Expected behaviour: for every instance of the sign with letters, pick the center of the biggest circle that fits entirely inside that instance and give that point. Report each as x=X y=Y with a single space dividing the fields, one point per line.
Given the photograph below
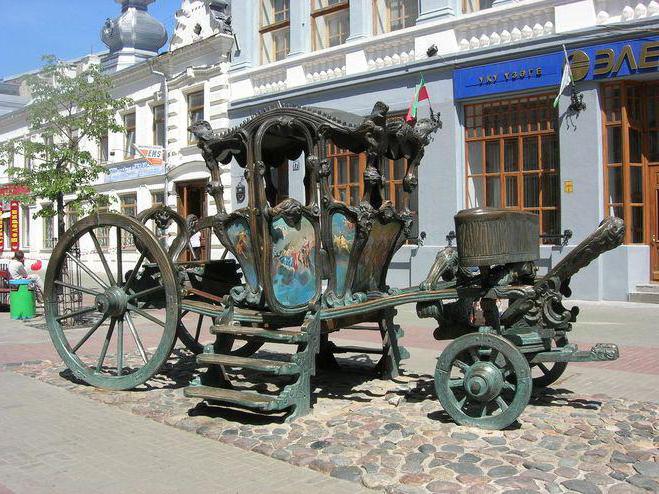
x=14 y=226
x=130 y=170
x=591 y=63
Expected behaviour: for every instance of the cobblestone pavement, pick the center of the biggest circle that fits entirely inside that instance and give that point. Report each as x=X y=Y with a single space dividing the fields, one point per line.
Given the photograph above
x=394 y=435
x=55 y=442
x=595 y=431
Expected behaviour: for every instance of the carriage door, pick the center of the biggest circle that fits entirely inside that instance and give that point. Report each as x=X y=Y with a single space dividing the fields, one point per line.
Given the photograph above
x=654 y=221
x=192 y=200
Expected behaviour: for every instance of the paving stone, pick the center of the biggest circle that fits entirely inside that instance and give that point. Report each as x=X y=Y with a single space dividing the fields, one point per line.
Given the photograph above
x=644 y=482
x=647 y=468
x=347 y=473
x=545 y=467
x=580 y=485
x=465 y=468
x=441 y=486
x=502 y=471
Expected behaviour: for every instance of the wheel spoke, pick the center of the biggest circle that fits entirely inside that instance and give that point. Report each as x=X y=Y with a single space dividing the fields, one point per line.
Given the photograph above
x=494 y=353
x=136 y=337
x=91 y=331
x=198 y=332
x=106 y=344
x=146 y=315
x=104 y=261
x=462 y=402
x=146 y=292
x=509 y=386
x=120 y=267
x=463 y=367
x=543 y=368
x=82 y=289
x=483 y=410
x=503 y=406
x=456 y=383
x=89 y=272
x=133 y=273
x=120 y=346
x=473 y=353
x=77 y=313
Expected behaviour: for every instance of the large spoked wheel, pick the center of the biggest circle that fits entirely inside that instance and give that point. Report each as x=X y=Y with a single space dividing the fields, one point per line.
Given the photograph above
x=483 y=380
x=200 y=336
x=547 y=373
x=124 y=328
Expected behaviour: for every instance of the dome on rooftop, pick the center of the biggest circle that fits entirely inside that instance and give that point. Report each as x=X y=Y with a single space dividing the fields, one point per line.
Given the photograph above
x=134 y=29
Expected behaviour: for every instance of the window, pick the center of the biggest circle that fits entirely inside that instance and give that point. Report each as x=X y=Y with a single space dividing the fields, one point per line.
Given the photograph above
x=471 y=6
x=104 y=149
x=631 y=142
x=128 y=205
x=49 y=232
x=25 y=231
x=103 y=233
x=392 y=15
x=331 y=22
x=158 y=198
x=275 y=30
x=347 y=182
x=129 y=137
x=72 y=217
x=195 y=111
x=28 y=159
x=159 y=130
x=512 y=157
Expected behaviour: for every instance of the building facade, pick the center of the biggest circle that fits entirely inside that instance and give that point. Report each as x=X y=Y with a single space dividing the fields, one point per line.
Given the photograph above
x=492 y=70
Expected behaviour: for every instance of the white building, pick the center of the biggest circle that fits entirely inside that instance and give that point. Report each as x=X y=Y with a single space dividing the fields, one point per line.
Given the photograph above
x=169 y=91
x=486 y=64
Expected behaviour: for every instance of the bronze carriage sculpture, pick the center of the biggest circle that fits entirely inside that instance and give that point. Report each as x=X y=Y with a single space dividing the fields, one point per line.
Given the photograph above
x=314 y=268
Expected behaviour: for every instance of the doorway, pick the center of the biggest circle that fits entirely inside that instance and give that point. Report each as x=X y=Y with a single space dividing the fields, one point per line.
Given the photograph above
x=654 y=222
x=192 y=200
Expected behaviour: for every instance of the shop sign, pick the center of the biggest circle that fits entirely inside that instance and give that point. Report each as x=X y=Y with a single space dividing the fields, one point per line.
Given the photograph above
x=2 y=235
x=153 y=154
x=130 y=170
x=9 y=191
x=14 y=226
x=597 y=62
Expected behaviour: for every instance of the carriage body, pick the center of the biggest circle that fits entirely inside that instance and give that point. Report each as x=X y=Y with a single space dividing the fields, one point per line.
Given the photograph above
x=321 y=265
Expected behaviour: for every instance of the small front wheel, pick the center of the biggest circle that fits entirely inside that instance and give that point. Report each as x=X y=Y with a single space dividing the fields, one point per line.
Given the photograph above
x=549 y=372
x=483 y=380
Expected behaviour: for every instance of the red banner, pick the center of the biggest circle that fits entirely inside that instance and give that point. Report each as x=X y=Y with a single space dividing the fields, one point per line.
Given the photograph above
x=14 y=226
x=2 y=234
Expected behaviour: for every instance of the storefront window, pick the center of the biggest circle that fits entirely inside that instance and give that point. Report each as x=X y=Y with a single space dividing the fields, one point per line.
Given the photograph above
x=392 y=15
x=331 y=23
x=631 y=138
x=275 y=30
x=512 y=157
x=25 y=231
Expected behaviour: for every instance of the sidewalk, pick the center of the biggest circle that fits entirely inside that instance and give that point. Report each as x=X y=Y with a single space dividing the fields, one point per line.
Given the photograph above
x=54 y=441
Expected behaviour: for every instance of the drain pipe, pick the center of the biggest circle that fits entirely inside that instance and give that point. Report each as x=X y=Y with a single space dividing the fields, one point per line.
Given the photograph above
x=165 y=144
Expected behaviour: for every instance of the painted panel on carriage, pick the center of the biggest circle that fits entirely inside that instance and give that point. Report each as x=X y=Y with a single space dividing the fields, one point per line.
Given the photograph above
x=241 y=240
x=343 y=238
x=374 y=257
x=293 y=262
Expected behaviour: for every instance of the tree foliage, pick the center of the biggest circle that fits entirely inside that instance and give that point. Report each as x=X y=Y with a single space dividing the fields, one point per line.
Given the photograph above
x=70 y=106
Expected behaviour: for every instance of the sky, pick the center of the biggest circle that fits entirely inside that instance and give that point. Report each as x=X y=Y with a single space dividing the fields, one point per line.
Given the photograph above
x=67 y=29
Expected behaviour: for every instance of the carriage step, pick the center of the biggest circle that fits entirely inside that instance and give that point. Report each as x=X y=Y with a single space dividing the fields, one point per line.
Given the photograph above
x=203 y=308
x=245 y=332
x=272 y=366
x=247 y=399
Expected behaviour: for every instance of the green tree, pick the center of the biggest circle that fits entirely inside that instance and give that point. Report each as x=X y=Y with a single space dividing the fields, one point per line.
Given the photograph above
x=68 y=106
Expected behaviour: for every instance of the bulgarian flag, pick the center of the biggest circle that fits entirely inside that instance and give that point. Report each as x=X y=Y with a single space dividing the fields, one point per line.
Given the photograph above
x=420 y=94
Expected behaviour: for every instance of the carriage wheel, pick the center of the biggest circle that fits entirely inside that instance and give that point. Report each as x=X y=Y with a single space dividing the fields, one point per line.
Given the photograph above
x=125 y=327
x=201 y=325
x=547 y=373
x=483 y=380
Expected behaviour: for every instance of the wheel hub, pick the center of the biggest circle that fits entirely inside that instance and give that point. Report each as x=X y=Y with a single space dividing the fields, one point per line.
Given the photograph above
x=113 y=302
x=483 y=381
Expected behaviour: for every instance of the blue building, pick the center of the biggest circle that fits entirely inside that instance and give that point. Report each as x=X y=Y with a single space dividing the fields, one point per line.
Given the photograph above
x=493 y=71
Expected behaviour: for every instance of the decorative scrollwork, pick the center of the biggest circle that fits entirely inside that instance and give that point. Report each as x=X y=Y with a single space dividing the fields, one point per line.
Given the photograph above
x=289 y=209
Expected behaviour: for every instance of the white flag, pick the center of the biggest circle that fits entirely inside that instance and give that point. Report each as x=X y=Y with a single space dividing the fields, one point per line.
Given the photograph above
x=566 y=80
